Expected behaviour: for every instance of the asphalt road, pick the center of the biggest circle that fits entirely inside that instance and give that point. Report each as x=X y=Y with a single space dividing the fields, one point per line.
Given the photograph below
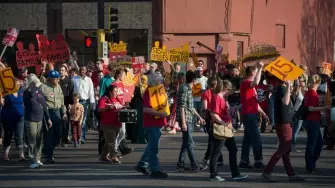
x=79 y=167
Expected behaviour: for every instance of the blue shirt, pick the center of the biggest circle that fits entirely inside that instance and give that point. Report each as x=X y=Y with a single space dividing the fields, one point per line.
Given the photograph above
x=13 y=108
x=105 y=83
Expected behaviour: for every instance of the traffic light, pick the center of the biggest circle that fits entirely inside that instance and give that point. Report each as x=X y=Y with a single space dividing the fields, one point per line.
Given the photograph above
x=91 y=42
x=113 y=18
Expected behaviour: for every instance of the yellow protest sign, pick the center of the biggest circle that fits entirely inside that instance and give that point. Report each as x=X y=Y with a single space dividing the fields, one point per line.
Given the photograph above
x=284 y=69
x=196 y=90
x=117 y=47
x=179 y=54
x=8 y=84
x=159 y=54
x=159 y=99
x=327 y=67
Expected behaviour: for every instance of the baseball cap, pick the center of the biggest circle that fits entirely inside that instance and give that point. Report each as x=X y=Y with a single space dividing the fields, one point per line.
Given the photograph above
x=53 y=74
x=153 y=65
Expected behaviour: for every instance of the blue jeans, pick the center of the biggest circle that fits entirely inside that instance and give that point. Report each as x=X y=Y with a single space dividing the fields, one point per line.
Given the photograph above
x=251 y=137
x=53 y=135
x=85 y=103
x=149 y=157
x=187 y=145
x=296 y=125
x=15 y=127
x=314 y=143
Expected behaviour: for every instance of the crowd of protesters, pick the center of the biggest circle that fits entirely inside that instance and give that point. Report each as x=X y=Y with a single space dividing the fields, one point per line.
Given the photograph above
x=57 y=108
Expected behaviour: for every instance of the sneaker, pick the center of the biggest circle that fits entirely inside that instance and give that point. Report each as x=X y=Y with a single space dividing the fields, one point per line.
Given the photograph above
x=159 y=175
x=40 y=163
x=115 y=160
x=296 y=178
x=205 y=164
x=82 y=142
x=269 y=177
x=312 y=171
x=182 y=168
x=217 y=179
x=245 y=166
x=240 y=177
x=142 y=170
x=34 y=166
x=197 y=168
x=259 y=166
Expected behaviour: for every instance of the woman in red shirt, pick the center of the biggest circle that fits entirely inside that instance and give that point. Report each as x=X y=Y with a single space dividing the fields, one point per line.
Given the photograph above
x=108 y=107
x=312 y=123
x=220 y=115
x=153 y=121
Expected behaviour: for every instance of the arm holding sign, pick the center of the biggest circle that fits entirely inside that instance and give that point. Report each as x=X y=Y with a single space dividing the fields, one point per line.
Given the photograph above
x=257 y=78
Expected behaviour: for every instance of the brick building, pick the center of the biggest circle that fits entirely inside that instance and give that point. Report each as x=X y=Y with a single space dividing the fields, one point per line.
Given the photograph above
x=303 y=30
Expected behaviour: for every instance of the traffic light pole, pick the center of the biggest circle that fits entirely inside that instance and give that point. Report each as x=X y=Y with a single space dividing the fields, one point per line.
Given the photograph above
x=101 y=26
x=101 y=14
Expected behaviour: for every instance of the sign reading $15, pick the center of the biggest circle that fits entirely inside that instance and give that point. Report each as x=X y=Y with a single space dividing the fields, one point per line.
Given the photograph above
x=159 y=99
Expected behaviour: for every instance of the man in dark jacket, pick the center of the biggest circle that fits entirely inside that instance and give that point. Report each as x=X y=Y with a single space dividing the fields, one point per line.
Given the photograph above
x=67 y=87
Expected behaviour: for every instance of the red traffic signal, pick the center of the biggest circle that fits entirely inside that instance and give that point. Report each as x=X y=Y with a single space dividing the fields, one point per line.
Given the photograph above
x=90 y=42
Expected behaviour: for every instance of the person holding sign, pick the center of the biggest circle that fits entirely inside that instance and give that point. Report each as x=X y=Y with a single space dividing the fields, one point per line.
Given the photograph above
x=283 y=120
x=185 y=118
x=152 y=127
x=250 y=110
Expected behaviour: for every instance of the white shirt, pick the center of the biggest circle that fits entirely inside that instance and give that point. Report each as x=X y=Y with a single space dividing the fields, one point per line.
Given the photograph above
x=203 y=82
x=84 y=87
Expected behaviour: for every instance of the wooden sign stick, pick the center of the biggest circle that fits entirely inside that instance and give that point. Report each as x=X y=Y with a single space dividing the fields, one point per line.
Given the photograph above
x=205 y=46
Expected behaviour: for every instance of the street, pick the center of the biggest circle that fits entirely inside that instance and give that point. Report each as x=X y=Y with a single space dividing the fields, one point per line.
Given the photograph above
x=79 y=167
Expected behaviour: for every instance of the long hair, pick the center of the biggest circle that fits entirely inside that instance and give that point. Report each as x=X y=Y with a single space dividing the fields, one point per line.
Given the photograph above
x=222 y=85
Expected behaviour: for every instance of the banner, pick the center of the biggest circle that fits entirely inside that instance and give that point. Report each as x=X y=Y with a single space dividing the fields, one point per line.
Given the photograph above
x=138 y=64
x=159 y=99
x=54 y=51
x=284 y=69
x=26 y=58
x=10 y=37
x=8 y=84
x=117 y=50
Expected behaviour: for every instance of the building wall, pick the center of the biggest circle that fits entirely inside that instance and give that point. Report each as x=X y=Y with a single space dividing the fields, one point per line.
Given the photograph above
x=309 y=26
x=33 y=16
x=23 y=16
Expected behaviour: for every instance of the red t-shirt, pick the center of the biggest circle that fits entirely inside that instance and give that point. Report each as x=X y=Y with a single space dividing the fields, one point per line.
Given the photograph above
x=312 y=99
x=110 y=117
x=121 y=91
x=207 y=96
x=95 y=79
x=219 y=107
x=248 y=98
x=262 y=96
x=149 y=120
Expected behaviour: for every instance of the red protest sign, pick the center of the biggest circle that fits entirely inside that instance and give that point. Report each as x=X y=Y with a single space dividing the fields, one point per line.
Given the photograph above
x=114 y=55
x=26 y=58
x=54 y=51
x=10 y=37
x=138 y=64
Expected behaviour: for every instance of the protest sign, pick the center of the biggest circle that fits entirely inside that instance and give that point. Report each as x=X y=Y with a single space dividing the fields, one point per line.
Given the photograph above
x=138 y=64
x=159 y=99
x=129 y=85
x=117 y=50
x=8 y=84
x=54 y=51
x=179 y=54
x=327 y=68
x=10 y=37
x=196 y=90
x=284 y=69
x=159 y=54
x=26 y=58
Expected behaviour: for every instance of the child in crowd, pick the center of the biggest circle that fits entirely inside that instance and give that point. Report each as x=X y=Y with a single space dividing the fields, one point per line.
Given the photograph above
x=76 y=117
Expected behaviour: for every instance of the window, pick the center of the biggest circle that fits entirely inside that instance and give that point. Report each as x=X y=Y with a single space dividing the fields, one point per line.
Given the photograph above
x=239 y=51
x=280 y=36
